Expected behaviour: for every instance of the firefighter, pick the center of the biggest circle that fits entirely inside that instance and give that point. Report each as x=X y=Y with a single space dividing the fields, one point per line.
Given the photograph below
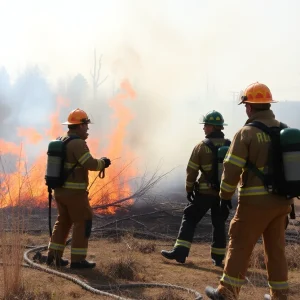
x=204 y=197
x=72 y=199
x=259 y=212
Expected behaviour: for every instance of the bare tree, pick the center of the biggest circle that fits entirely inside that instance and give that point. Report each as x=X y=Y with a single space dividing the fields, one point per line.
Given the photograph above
x=96 y=75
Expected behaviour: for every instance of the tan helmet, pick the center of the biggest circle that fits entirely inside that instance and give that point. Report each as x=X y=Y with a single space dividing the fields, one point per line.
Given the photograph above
x=77 y=116
x=257 y=93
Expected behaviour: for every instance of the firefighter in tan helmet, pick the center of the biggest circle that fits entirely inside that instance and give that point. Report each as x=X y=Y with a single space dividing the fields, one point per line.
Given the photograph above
x=72 y=198
x=260 y=211
x=202 y=194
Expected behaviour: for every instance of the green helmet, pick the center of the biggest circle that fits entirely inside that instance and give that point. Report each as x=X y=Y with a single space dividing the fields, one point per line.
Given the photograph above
x=213 y=118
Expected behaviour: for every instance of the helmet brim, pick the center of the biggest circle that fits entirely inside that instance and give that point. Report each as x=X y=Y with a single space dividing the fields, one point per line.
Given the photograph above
x=77 y=123
x=253 y=102
x=213 y=124
x=69 y=123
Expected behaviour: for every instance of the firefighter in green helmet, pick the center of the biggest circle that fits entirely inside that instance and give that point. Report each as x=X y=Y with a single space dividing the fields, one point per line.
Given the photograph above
x=203 y=194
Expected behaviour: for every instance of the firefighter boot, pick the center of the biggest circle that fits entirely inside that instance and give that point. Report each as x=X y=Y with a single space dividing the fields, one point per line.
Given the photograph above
x=218 y=263
x=84 y=264
x=178 y=253
x=213 y=294
x=267 y=297
x=57 y=261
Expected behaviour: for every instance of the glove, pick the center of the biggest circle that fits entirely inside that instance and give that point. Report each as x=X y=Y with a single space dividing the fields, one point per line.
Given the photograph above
x=190 y=196
x=107 y=162
x=225 y=206
x=226 y=203
x=292 y=213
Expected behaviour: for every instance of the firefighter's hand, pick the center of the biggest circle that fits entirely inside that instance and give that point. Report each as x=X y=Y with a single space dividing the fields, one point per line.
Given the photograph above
x=225 y=206
x=190 y=196
x=226 y=203
x=292 y=213
x=107 y=162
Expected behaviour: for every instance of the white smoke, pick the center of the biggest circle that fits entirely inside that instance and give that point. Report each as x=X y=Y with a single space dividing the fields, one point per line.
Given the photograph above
x=183 y=59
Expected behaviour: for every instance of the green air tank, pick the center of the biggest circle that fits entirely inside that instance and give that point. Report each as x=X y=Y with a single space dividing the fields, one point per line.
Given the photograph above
x=290 y=146
x=54 y=163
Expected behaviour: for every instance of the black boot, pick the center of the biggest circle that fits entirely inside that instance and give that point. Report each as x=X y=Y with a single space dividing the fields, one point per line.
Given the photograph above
x=267 y=297
x=84 y=264
x=213 y=294
x=58 y=261
x=178 y=253
x=218 y=263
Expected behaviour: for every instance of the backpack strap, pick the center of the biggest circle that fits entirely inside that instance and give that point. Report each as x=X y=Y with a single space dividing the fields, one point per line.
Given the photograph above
x=66 y=141
x=210 y=145
x=214 y=150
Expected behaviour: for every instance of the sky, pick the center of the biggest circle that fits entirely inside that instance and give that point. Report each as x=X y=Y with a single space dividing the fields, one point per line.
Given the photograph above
x=183 y=58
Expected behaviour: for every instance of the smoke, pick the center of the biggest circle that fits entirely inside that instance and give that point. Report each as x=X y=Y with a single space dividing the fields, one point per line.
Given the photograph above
x=182 y=60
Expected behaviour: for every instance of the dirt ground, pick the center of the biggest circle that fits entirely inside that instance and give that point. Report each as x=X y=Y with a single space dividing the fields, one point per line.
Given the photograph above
x=126 y=248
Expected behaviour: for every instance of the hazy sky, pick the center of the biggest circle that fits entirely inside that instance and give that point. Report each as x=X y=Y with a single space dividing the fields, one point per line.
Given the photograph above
x=165 y=45
x=180 y=56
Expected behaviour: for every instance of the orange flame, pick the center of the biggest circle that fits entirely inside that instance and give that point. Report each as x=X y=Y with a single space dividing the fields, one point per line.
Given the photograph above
x=24 y=186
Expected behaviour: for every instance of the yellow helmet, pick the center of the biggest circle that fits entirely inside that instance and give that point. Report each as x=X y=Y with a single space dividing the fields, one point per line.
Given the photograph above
x=77 y=116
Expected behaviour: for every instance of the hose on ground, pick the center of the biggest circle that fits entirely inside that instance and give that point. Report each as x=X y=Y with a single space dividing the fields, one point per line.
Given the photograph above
x=97 y=290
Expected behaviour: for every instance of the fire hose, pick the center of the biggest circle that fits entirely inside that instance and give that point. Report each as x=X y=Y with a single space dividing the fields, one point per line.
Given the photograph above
x=97 y=291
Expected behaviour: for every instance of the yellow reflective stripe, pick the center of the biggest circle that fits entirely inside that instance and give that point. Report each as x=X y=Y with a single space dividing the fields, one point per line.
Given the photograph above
x=291 y=157
x=253 y=191
x=203 y=186
x=71 y=165
x=79 y=251
x=189 y=184
x=206 y=167
x=193 y=165
x=278 y=285
x=55 y=246
x=227 y=187
x=232 y=280
x=75 y=185
x=235 y=160
x=84 y=158
x=219 y=251
x=183 y=243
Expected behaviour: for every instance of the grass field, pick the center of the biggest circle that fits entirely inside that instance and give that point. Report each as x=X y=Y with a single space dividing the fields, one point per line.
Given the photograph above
x=123 y=258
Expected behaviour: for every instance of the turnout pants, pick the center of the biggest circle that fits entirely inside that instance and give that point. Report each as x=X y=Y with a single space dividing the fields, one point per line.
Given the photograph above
x=249 y=223
x=193 y=214
x=73 y=209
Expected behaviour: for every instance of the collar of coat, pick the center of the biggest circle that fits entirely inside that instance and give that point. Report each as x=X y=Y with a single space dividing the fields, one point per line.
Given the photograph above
x=72 y=132
x=215 y=134
x=261 y=115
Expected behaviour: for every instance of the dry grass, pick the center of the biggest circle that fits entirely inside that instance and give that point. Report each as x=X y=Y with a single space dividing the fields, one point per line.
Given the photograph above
x=292 y=255
x=124 y=262
x=12 y=249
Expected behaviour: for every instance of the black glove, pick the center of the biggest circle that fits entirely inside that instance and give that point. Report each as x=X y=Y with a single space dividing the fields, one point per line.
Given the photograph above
x=292 y=213
x=107 y=162
x=225 y=206
x=190 y=196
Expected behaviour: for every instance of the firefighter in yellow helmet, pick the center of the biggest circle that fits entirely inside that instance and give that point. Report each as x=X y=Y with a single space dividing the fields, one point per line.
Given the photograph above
x=203 y=194
x=260 y=211
x=72 y=199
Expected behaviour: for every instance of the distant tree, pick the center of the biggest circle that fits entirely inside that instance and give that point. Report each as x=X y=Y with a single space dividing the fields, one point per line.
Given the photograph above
x=95 y=74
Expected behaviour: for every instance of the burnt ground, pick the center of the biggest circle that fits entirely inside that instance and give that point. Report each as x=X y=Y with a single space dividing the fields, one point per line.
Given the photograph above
x=156 y=220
